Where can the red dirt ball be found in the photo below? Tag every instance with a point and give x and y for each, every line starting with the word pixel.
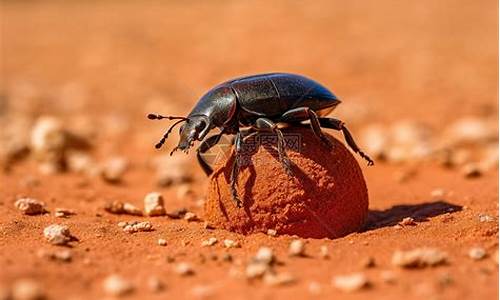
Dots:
pixel 326 197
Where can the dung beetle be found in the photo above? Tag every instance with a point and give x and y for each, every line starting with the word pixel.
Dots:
pixel 258 102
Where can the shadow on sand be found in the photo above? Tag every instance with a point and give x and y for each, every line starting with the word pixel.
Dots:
pixel 419 212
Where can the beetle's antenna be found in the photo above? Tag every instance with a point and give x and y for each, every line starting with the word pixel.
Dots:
pixel 160 117
pixel 165 136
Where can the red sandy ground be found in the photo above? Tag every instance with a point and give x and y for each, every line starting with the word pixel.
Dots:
pixel 432 61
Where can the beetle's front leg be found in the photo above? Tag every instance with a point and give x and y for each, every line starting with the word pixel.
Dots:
pixel 264 124
pixel 204 147
pixel 235 169
pixel 339 125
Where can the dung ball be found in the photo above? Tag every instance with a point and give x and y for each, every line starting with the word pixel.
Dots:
pixel 326 197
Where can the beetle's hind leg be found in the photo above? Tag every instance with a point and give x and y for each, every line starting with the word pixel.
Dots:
pixel 339 125
pixel 305 113
pixel 264 124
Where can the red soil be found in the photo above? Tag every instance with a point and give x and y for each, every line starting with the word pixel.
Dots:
pixel 326 198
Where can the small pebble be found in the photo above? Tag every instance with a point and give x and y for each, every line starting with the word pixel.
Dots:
pixel 231 244
pixel 438 193
pixel 368 262
pixel 486 218
pixel 135 226
pixel 477 253
pixel 184 269
pixel 155 285
pixel 184 191
pixel 279 279
pixel 210 242
pixel 388 277
pixel 264 255
pixel 60 255
pixel 408 221
pixel 190 217
pixel 351 283
pixel 162 242
pixel 63 212
pixel 58 234
pixel 256 270
pixel 114 169
pixel 118 207
pixel 272 232
pixel 471 170
pixel 296 248
pixel 323 252
pixel 153 205
pixel 207 225
pixel 27 289
pixel 314 288
pixel 419 258
pixel 115 285
pixel 30 206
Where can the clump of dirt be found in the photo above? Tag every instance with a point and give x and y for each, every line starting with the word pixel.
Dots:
pixel 326 197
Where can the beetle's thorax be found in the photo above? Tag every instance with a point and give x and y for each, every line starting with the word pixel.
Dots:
pixel 216 105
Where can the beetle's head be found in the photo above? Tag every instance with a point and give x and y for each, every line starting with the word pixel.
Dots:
pixel 195 128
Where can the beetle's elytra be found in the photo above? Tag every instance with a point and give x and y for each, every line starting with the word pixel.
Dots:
pixel 258 102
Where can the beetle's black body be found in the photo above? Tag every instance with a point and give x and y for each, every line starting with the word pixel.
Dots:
pixel 259 102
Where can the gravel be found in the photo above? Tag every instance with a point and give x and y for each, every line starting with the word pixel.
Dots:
pixel 118 207
pixel 264 255
pixel 135 226
pixel 63 212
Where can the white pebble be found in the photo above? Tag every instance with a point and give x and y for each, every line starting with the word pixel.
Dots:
pixel 162 242
pixel 210 242
pixel 114 169
pixel 153 205
pixel 350 283
pixel 418 258
pixel 231 244
pixel 27 289
pixel 63 212
pixel 323 252
pixel 272 232
pixel 30 206
pixel 190 217
pixel 264 255
pixel 256 270
pixel 296 248
pixel 486 218
pixel 135 226
pixel 58 234
pixel 477 253
pixel 155 284
pixel 184 269
pixel 272 279
pixel 314 288
pixel 115 285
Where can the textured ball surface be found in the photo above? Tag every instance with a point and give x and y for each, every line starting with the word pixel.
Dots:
pixel 326 197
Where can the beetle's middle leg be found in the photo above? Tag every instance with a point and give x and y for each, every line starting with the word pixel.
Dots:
pixel 264 124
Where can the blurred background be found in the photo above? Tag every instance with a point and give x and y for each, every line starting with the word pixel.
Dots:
pixel 105 64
